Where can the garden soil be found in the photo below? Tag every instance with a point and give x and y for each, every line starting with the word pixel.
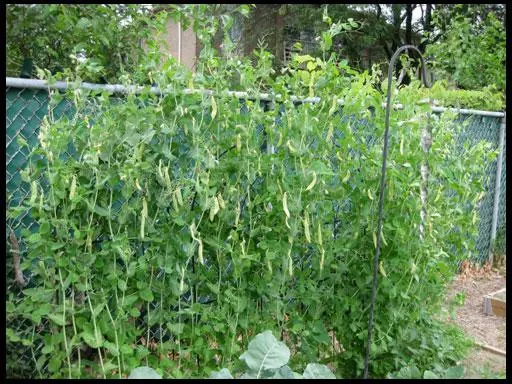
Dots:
pixel 486 329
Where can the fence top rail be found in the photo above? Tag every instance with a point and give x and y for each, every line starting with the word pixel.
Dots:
pixel 15 82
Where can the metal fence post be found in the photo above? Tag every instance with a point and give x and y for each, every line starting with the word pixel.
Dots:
pixel 497 189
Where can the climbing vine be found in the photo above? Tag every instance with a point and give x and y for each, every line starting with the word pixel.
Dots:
pixel 173 228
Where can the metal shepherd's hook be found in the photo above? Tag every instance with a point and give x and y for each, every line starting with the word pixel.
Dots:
pixel 382 187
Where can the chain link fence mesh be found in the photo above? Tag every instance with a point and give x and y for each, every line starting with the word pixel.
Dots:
pixel 25 110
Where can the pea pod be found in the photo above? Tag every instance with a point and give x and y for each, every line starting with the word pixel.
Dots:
pixel 214 108
pixel 290 262
pixel 383 238
pixel 319 234
pixel 313 182
pixel 72 190
pixel 179 198
pixel 200 252
pixel 238 142
pixel 144 214
pixel 167 179
pixel 306 227
pixel 322 258
pixel 33 189
pixel 285 206
pixel 222 204
pixel 215 208
pixel 347 176
pixel 381 269
pixel 138 185
pixel 290 147
pixel 237 214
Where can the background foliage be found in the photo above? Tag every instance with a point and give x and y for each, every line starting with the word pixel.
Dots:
pixel 172 229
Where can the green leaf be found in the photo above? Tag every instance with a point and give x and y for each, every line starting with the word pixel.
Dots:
pixel 283 373
pixel 111 347
pixel 213 287
pixel 265 352
pixel 318 371
pixel 176 328
pixel 126 349
pixel 303 58
pixel 48 348
pixel 11 336
pixel 456 372
pixel 311 65
pixel 56 318
pixel 430 375
pixel 121 284
pixel 92 340
pixel 83 23
pixel 146 294
pixel 222 374
pixel 144 373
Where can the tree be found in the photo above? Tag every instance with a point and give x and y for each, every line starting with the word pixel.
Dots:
pixel 471 50
pixel 58 36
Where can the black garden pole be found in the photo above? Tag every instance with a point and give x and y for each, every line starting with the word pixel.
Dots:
pixel 382 187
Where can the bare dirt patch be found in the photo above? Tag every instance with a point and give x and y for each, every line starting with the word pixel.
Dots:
pixel 472 285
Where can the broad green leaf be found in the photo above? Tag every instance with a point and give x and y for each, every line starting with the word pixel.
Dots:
pixel 283 373
pixel 265 352
pixel 318 371
pixel 222 374
pixel 456 372
pixel 430 375
pixel 144 373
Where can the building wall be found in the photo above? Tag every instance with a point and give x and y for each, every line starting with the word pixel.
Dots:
pixel 181 44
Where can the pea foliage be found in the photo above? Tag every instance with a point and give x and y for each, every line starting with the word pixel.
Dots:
pixel 173 228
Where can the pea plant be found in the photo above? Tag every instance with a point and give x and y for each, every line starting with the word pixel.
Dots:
pixel 173 228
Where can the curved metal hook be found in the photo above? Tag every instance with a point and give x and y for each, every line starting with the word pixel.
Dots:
pixel 382 185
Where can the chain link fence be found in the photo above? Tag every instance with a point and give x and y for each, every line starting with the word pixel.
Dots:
pixel 26 108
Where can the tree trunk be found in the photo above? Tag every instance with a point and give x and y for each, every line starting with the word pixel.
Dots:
pixel 408 23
